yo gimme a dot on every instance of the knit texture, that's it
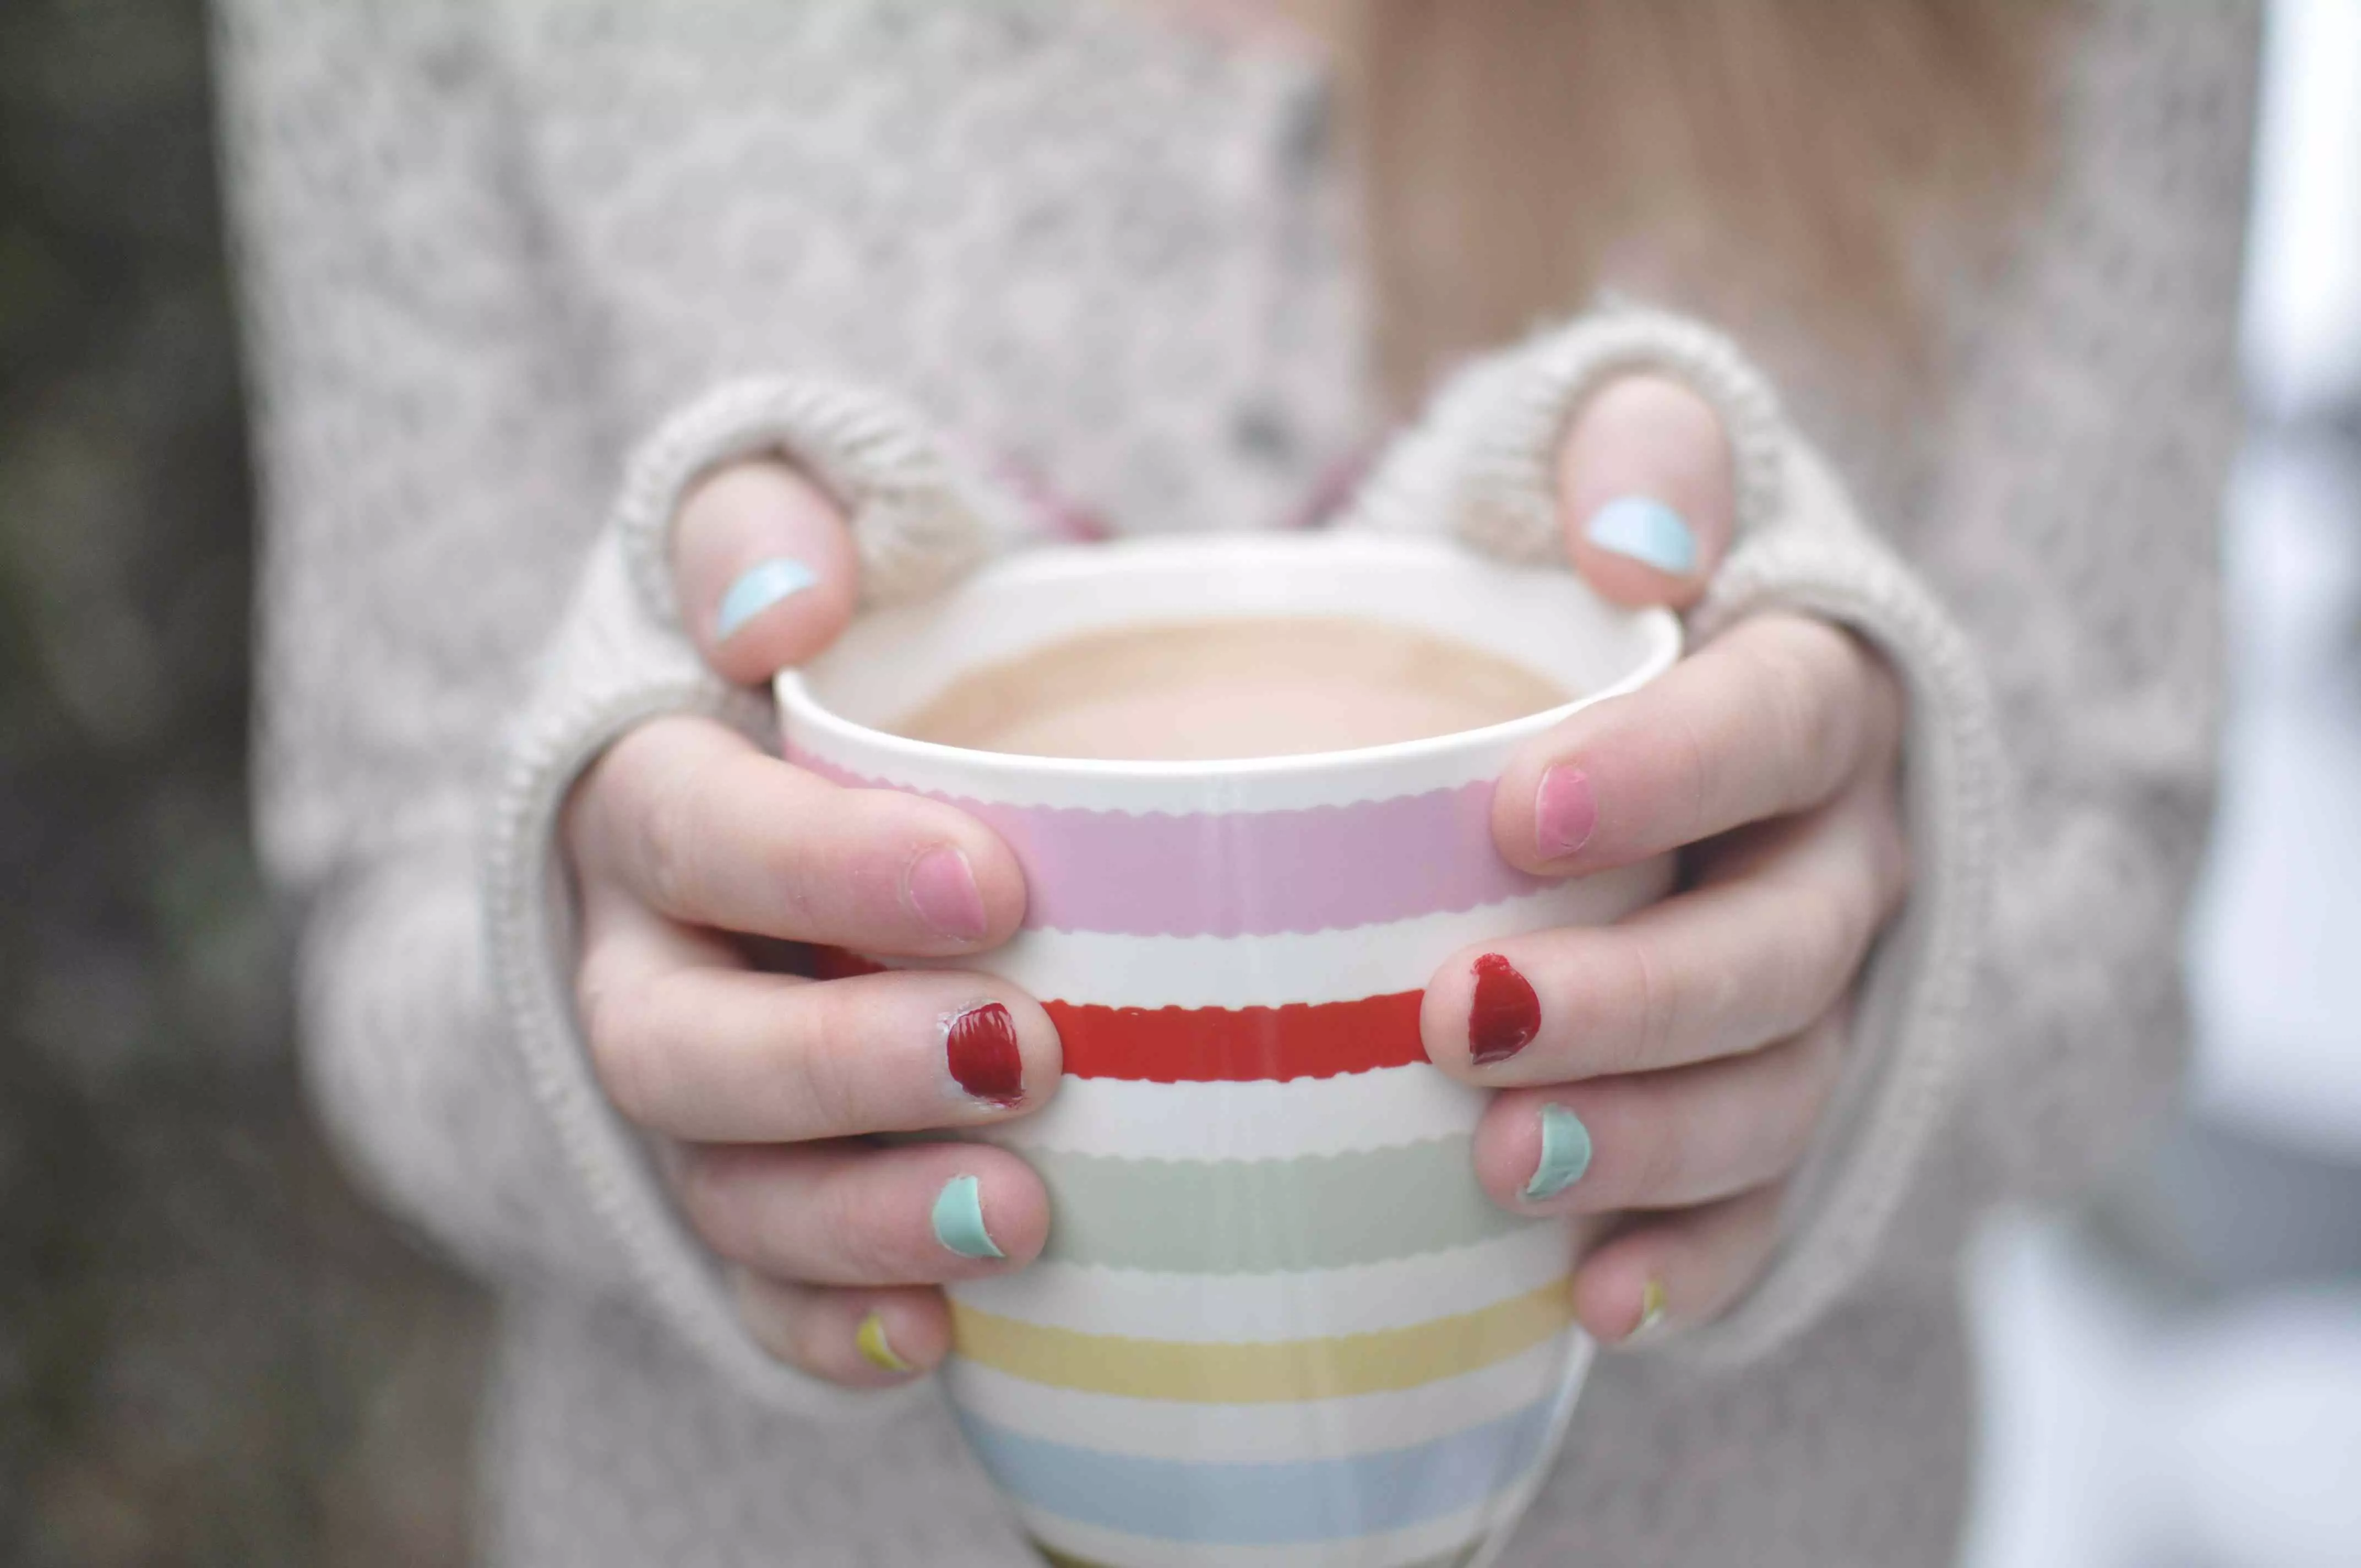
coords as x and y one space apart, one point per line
490 247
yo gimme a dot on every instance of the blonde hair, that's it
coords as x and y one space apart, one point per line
1833 163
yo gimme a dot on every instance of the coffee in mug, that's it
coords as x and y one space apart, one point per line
1256 686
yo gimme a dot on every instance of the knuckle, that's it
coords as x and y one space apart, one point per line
668 819
823 1080
1812 709
1639 1008
1889 854
624 1050
708 1183
1827 933
1660 1159
847 1228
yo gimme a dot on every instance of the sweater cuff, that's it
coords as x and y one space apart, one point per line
620 658
1482 465
921 513
1906 1057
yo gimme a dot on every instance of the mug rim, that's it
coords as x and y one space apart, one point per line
1078 564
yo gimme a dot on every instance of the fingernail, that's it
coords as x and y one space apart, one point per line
1566 1153
980 1047
757 589
959 1219
1651 1311
1505 1014
1565 810
876 1348
1646 530
942 890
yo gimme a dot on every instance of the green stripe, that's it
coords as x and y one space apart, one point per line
1265 1216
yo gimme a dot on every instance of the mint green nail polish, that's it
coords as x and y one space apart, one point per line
959 1219
1646 530
758 587
1565 1154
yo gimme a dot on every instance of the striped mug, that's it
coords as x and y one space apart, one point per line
1277 1321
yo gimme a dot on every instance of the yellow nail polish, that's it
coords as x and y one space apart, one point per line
1652 1310
874 1347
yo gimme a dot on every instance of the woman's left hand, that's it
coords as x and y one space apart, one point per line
1667 1073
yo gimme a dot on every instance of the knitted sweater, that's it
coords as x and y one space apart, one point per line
487 247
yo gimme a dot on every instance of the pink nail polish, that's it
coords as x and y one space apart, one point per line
1564 810
942 889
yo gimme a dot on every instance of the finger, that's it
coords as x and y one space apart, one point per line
856 1214
1772 717
699 825
765 567
1659 1140
1676 1270
1647 488
1751 955
716 1053
864 1339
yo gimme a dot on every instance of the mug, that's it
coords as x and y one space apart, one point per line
1277 1321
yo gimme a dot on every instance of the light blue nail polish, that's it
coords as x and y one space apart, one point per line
758 587
1565 1154
959 1219
1646 530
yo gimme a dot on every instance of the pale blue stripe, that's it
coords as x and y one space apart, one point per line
1264 1505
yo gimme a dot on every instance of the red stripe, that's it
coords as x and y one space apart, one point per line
1203 1045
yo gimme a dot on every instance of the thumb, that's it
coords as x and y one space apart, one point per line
765 568
1646 491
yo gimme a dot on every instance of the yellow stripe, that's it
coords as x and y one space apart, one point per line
1273 1373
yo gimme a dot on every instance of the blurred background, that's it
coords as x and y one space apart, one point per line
212 1352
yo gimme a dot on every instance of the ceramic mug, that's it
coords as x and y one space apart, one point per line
1277 1321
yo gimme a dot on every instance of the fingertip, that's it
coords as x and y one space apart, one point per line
1619 1293
1647 488
856 1338
964 885
991 1208
901 1333
766 569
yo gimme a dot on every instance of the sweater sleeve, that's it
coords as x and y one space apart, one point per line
2073 525
427 490
457 614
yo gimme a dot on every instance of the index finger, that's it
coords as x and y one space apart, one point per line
1771 718
701 826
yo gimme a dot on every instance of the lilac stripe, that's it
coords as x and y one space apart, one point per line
1248 873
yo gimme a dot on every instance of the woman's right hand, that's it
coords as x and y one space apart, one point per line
684 839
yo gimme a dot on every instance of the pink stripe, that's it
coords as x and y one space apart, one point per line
1246 873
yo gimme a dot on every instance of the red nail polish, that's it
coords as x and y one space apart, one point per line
1507 1014
980 1044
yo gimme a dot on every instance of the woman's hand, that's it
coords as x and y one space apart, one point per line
1667 1073
685 840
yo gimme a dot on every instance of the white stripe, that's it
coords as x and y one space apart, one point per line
1113 971
1238 1309
1312 1428
1127 1119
